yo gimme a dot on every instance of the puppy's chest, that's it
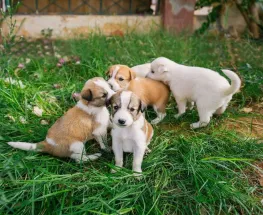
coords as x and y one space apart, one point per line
101 122
130 137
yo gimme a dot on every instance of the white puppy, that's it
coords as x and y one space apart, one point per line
142 70
207 88
131 132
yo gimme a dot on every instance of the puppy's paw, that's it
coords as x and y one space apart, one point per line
113 171
195 125
155 121
147 151
177 116
106 149
138 175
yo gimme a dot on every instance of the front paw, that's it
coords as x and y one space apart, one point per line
177 116
107 149
138 175
113 171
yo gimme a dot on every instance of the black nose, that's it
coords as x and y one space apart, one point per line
121 121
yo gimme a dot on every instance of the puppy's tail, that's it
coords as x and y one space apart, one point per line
235 82
26 146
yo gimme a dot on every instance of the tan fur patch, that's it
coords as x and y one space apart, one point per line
148 130
151 92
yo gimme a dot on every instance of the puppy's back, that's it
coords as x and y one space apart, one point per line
149 91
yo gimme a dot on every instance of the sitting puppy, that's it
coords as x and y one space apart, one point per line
207 88
131 132
142 70
152 93
87 120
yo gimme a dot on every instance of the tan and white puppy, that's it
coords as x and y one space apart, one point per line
87 120
152 93
142 70
207 88
131 132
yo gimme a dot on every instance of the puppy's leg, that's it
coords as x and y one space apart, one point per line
118 152
190 105
204 119
102 139
138 158
181 105
222 109
79 153
160 111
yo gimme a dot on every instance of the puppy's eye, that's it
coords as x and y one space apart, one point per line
121 79
152 71
104 95
132 109
115 107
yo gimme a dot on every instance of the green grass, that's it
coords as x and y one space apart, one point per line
207 171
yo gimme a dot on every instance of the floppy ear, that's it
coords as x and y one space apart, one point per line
87 95
162 68
108 71
142 107
132 74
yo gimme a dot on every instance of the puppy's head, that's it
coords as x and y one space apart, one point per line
119 76
158 69
127 108
96 92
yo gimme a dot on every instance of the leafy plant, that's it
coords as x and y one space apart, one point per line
246 7
8 40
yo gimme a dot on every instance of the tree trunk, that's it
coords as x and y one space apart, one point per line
254 28
251 17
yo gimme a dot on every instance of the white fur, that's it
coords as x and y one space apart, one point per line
105 86
112 81
129 139
142 70
23 146
78 152
207 88
51 141
123 113
102 116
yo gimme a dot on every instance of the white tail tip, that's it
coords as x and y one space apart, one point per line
23 146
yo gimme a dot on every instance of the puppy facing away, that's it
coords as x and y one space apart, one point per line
131 132
87 120
152 93
207 88
142 70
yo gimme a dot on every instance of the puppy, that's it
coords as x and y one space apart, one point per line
87 120
152 93
142 70
131 132
207 88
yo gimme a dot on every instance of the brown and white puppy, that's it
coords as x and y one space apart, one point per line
87 120
152 93
131 132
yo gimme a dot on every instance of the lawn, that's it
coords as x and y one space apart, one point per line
214 170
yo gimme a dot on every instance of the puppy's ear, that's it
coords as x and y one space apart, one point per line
107 73
132 74
87 95
162 68
142 107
